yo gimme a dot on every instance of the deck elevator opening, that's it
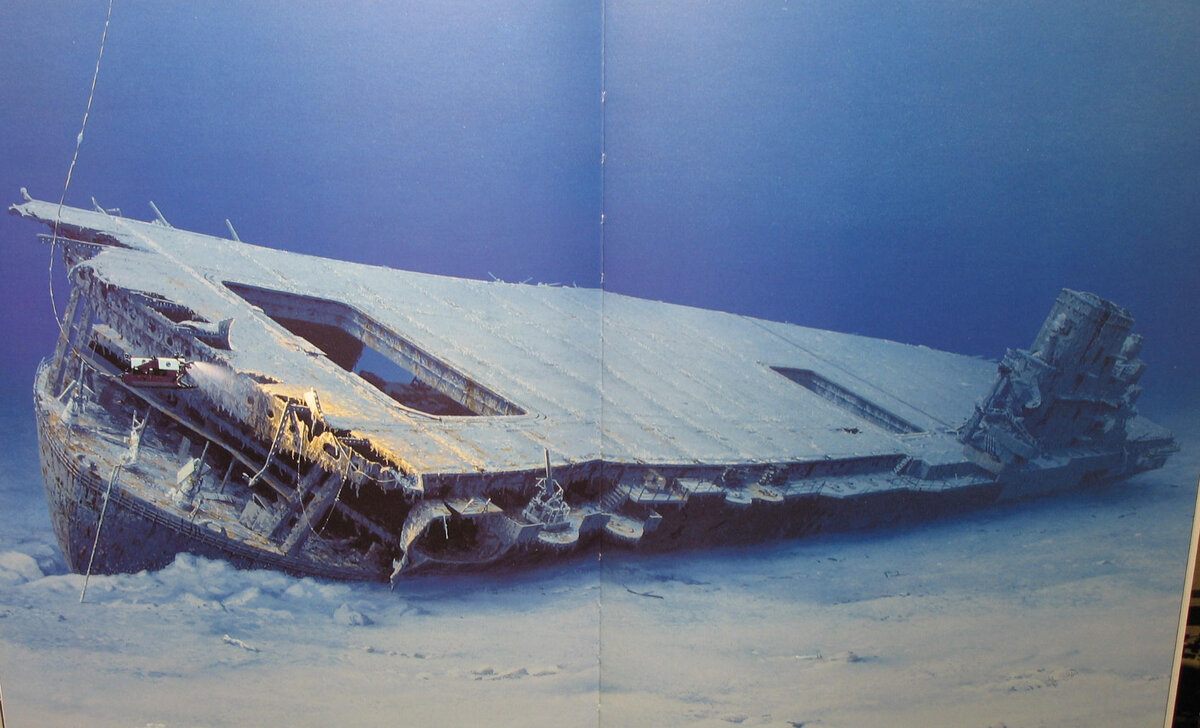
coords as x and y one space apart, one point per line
380 356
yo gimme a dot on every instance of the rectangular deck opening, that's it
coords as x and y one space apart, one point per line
849 401
381 357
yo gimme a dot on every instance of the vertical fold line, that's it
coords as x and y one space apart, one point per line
600 373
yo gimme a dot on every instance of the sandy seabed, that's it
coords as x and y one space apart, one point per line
1056 612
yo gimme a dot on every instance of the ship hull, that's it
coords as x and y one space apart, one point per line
500 432
699 523
134 534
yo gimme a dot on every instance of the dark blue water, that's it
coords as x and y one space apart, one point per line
926 172
929 172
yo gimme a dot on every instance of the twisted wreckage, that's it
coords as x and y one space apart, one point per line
355 422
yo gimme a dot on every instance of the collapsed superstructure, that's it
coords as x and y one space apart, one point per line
355 422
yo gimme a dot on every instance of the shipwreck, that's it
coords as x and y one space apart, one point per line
348 421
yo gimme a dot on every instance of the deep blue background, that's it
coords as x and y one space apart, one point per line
932 172
929 172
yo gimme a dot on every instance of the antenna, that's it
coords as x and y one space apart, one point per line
159 216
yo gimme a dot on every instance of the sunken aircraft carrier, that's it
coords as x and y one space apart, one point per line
348 421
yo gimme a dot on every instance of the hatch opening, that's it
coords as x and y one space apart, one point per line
847 400
379 356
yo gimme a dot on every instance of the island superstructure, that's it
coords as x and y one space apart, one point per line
356 422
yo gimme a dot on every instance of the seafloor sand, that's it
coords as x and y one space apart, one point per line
1056 612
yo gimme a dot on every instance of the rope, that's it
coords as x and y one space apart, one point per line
103 508
75 158
283 420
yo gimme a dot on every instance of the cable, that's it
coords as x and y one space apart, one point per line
75 158
99 525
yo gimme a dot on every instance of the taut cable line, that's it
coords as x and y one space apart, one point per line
74 159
